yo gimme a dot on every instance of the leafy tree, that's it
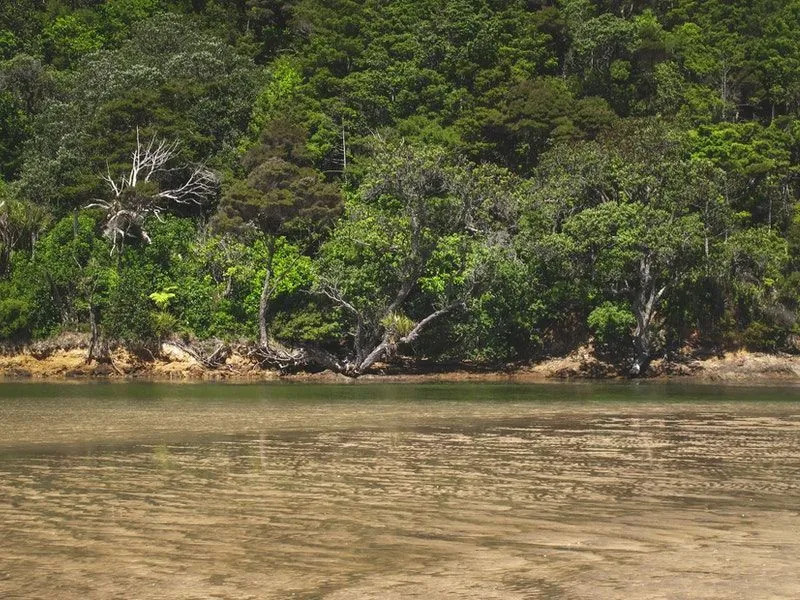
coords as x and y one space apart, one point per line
756 259
13 130
20 226
118 16
413 242
166 80
281 195
531 116
128 317
637 253
69 38
60 274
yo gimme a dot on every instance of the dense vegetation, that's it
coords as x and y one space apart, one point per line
339 181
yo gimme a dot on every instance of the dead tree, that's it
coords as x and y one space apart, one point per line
152 185
148 189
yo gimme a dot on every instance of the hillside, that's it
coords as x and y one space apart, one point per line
335 185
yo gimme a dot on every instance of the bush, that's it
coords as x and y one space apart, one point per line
762 337
15 319
611 324
128 317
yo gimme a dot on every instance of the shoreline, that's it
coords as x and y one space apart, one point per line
175 365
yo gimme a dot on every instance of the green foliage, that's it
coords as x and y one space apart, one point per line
762 337
64 263
128 317
118 16
611 324
13 131
15 318
278 97
531 115
282 192
503 321
547 171
162 299
70 38
167 79
757 258
398 324
8 44
304 322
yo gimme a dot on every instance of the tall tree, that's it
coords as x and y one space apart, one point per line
282 195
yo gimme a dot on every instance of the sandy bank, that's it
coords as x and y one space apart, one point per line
174 364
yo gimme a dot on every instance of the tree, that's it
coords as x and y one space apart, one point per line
638 253
69 38
60 272
150 187
530 117
13 130
413 241
631 223
754 261
20 226
281 195
166 79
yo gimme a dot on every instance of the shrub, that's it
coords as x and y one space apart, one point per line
128 317
611 324
15 319
762 337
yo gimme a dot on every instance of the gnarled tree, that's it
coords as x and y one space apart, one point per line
409 251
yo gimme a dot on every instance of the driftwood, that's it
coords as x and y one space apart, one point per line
275 355
213 360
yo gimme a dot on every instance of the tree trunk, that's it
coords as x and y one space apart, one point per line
98 347
266 293
644 309
263 336
641 352
94 339
387 345
377 353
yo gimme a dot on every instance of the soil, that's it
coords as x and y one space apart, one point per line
60 361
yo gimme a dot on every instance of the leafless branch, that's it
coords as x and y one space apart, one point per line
128 208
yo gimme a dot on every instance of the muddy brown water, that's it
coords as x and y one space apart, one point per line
401 491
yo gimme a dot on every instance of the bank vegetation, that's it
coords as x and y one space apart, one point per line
304 186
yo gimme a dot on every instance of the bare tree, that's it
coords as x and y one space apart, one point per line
149 188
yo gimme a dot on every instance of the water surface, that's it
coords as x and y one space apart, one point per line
399 491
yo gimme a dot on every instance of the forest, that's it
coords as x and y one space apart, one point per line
335 184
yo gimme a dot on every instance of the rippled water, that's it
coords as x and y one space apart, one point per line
368 491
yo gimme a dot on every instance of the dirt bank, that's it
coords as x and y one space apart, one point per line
68 361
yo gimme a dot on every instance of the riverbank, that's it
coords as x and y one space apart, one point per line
68 361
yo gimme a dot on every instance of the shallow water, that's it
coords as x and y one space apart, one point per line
399 491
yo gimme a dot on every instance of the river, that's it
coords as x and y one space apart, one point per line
399 491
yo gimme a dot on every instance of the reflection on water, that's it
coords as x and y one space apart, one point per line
351 492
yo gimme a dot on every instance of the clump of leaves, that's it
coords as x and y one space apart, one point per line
611 323
398 324
162 299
